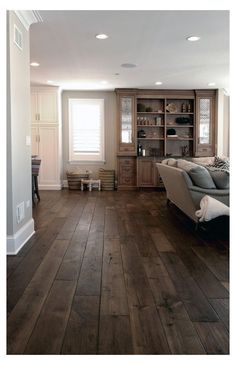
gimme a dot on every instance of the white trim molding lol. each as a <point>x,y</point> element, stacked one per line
<point>28,17</point>
<point>17,241</point>
<point>50,187</point>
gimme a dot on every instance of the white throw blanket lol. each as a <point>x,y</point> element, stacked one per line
<point>211,208</point>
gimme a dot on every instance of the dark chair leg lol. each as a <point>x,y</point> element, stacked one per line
<point>33,201</point>
<point>36,187</point>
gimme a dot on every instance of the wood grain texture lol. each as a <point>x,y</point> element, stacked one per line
<point>117,273</point>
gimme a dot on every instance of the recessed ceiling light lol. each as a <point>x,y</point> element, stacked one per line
<point>211,83</point>
<point>116,74</point>
<point>158,83</point>
<point>34,64</point>
<point>128,65</point>
<point>193,38</point>
<point>101,36</point>
<point>104,82</point>
<point>50,81</point>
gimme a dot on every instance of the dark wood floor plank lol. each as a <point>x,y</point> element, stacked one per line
<point>198,307</point>
<point>23,273</point>
<point>221,307</point>
<point>181,335</point>
<point>89,282</point>
<point>207,281</point>
<point>161,241</point>
<point>214,337</point>
<point>48,333</point>
<point>72,261</point>
<point>115,335</point>
<point>113,294</point>
<point>217,261</point>
<point>82,329</point>
<point>24,315</point>
<point>111,226</point>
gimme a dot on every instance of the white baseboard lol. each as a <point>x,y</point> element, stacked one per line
<point>50,187</point>
<point>17,241</point>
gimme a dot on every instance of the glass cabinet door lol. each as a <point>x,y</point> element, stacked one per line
<point>205,124</point>
<point>126,117</point>
<point>126,125</point>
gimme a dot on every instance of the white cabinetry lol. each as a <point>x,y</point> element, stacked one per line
<point>45,132</point>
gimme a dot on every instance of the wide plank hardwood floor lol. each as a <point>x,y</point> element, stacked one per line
<point>117,273</point>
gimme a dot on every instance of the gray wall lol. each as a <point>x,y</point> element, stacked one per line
<point>18,127</point>
<point>110,131</point>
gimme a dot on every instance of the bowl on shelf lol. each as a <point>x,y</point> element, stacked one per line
<point>171,108</point>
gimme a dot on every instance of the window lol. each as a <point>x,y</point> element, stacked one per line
<point>86,129</point>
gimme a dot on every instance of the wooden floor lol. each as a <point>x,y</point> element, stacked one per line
<point>117,273</point>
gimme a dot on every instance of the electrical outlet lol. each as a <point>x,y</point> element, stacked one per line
<point>20,212</point>
<point>28,141</point>
<point>28,204</point>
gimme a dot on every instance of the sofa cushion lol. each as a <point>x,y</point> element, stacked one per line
<point>170,162</point>
<point>199,174</point>
<point>220,177</point>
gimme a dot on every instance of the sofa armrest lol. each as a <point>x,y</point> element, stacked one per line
<point>198,193</point>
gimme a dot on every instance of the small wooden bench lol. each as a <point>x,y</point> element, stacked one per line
<point>91,183</point>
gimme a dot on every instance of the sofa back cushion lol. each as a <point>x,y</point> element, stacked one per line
<point>199,174</point>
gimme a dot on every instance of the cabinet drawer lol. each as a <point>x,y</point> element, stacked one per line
<point>126,172</point>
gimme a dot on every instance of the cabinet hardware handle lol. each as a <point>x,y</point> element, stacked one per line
<point>39,138</point>
<point>39,116</point>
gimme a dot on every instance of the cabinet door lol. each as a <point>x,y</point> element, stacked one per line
<point>34,107</point>
<point>34,141</point>
<point>205,124</point>
<point>48,152</point>
<point>47,107</point>
<point>146,172</point>
<point>126,173</point>
<point>126,125</point>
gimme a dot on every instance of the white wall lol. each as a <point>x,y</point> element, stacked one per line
<point>110,131</point>
<point>18,127</point>
<point>223,123</point>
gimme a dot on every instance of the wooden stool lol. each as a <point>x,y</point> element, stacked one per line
<point>90,183</point>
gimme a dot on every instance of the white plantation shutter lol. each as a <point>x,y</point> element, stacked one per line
<point>86,119</point>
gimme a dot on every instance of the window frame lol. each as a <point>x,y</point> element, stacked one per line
<point>78,157</point>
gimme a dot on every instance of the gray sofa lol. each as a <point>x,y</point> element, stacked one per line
<point>187,183</point>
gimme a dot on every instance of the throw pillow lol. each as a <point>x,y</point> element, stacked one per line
<point>219,163</point>
<point>199,174</point>
<point>220,177</point>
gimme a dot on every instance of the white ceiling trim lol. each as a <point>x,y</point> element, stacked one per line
<point>28,17</point>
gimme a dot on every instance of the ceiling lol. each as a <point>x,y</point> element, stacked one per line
<point>69,54</point>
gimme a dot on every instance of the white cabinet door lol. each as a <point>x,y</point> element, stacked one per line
<point>47,107</point>
<point>34,141</point>
<point>34,107</point>
<point>48,152</point>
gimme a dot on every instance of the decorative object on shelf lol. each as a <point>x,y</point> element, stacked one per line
<point>140,149</point>
<point>183,108</point>
<point>171,132</point>
<point>171,108</point>
<point>158,121</point>
<point>143,152</point>
<point>149,109</point>
<point>141,134</point>
<point>189,108</point>
<point>184,150</point>
<point>141,107</point>
<point>182,120</point>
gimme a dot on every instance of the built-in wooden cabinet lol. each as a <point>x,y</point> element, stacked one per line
<point>155,124</point>
<point>126,171</point>
<point>205,123</point>
<point>45,132</point>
